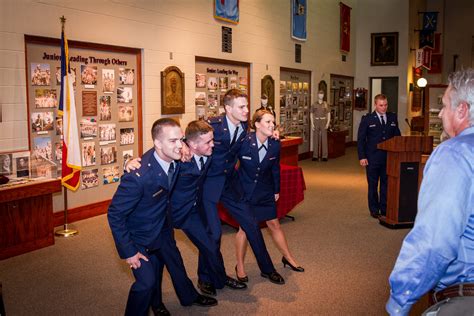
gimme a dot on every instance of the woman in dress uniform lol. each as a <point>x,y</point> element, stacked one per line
<point>258,185</point>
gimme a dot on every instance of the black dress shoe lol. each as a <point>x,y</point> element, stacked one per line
<point>234,284</point>
<point>207,288</point>
<point>375,215</point>
<point>241,279</point>
<point>160,310</point>
<point>274,277</point>
<point>286,262</point>
<point>205,301</point>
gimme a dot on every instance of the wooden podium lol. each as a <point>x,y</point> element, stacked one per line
<point>404,172</point>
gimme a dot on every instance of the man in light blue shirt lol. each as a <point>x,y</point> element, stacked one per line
<point>438,253</point>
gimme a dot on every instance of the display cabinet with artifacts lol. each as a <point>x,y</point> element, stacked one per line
<point>433,104</point>
<point>341,104</point>
<point>295,102</point>
<point>27,182</point>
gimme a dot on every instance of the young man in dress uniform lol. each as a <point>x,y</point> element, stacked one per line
<point>375,128</point>
<point>140,222</point>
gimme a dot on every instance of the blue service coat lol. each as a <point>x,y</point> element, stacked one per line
<point>371,133</point>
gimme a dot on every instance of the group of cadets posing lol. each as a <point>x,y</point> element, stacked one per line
<point>171,187</point>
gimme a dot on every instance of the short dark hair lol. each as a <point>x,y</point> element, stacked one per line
<point>258,115</point>
<point>233,94</point>
<point>380,96</point>
<point>160,123</point>
<point>196,129</point>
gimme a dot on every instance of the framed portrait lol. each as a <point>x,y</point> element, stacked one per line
<point>360,99</point>
<point>384,49</point>
<point>172,91</point>
<point>268,88</point>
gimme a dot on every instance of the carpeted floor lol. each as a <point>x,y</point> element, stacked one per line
<point>347,255</point>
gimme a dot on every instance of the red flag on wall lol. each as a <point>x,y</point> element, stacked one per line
<point>71,156</point>
<point>345,27</point>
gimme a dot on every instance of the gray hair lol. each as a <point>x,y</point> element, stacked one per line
<point>462,90</point>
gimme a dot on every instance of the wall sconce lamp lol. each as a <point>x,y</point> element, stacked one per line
<point>422,82</point>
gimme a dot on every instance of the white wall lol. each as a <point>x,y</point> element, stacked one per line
<point>374,16</point>
<point>186,28</point>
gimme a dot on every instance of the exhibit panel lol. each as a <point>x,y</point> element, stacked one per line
<point>340,101</point>
<point>295,102</point>
<point>107,93</point>
<point>214,77</point>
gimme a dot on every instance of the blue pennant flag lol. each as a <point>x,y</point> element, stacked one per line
<point>298,19</point>
<point>426,39</point>
<point>430,21</point>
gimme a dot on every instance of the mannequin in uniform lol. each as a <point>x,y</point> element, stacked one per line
<point>265,106</point>
<point>320,117</point>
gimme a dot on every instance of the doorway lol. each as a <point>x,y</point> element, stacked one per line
<point>387,86</point>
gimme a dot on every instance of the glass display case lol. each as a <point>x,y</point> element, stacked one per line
<point>432,106</point>
<point>24,167</point>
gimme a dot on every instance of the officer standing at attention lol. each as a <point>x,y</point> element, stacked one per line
<point>320,117</point>
<point>139,219</point>
<point>375,128</point>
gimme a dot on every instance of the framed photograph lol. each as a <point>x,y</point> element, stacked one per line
<point>126,76</point>
<point>110,174</point>
<point>6,164</point>
<point>360,99</point>
<point>200,80</point>
<point>108,155</point>
<point>172,91</point>
<point>42,122</point>
<point>127,136</point>
<point>40,74</point>
<point>105,112</point>
<point>342,92</point>
<point>88,154</point>
<point>90,178</point>
<point>124,95</point>
<point>46,98</point>
<point>108,80</point>
<point>384,49</point>
<point>88,128</point>
<point>88,75</point>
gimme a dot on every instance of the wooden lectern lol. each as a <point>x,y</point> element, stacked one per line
<point>404,172</point>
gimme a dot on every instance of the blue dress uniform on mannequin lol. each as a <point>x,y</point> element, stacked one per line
<point>258,181</point>
<point>139,219</point>
<point>371,132</point>
<point>217,188</point>
<point>188,215</point>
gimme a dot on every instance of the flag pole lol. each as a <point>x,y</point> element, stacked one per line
<point>66,231</point>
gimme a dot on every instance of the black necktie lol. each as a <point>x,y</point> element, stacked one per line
<point>263,152</point>
<point>201,162</point>
<point>234,138</point>
<point>170,175</point>
<point>383,121</point>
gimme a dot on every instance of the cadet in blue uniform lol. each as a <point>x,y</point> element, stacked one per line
<point>229,132</point>
<point>187,213</point>
<point>258,185</point>
<point>139,219</point>
<point>376,128</point>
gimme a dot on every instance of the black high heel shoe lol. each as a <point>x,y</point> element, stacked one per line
<point>241,279</point>
<point>285,263</point>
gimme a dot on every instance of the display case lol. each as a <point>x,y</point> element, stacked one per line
<point>340,102</point>
<point>432,106</point>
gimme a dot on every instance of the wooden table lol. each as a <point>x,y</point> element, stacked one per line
<point>26,217</point>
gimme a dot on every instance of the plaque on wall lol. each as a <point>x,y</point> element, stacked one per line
<point>172,91</point>
<point>89,103</point>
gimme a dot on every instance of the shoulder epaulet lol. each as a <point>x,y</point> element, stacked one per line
<point>215,120</point>
<point>143,170</point>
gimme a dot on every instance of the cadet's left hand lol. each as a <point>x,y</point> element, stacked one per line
<point>277,196</point>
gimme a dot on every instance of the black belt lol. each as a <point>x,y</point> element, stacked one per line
<point>462,289</point>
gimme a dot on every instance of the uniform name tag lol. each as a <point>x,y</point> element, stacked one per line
<point>247,157</point>
<point>217,142</point>
<point>272,158</point>
<point>373,125</point>
<point>155,194</point>
<point>393,124</point>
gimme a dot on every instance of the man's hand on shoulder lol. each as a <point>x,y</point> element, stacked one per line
<point>186,154</point>
<point>276,134</point>
<point>133,164</point>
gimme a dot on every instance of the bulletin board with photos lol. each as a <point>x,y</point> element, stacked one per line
<point>214,77</point>
<point>340,98</point>
<point>295,105</point>
<point>107,92</point>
